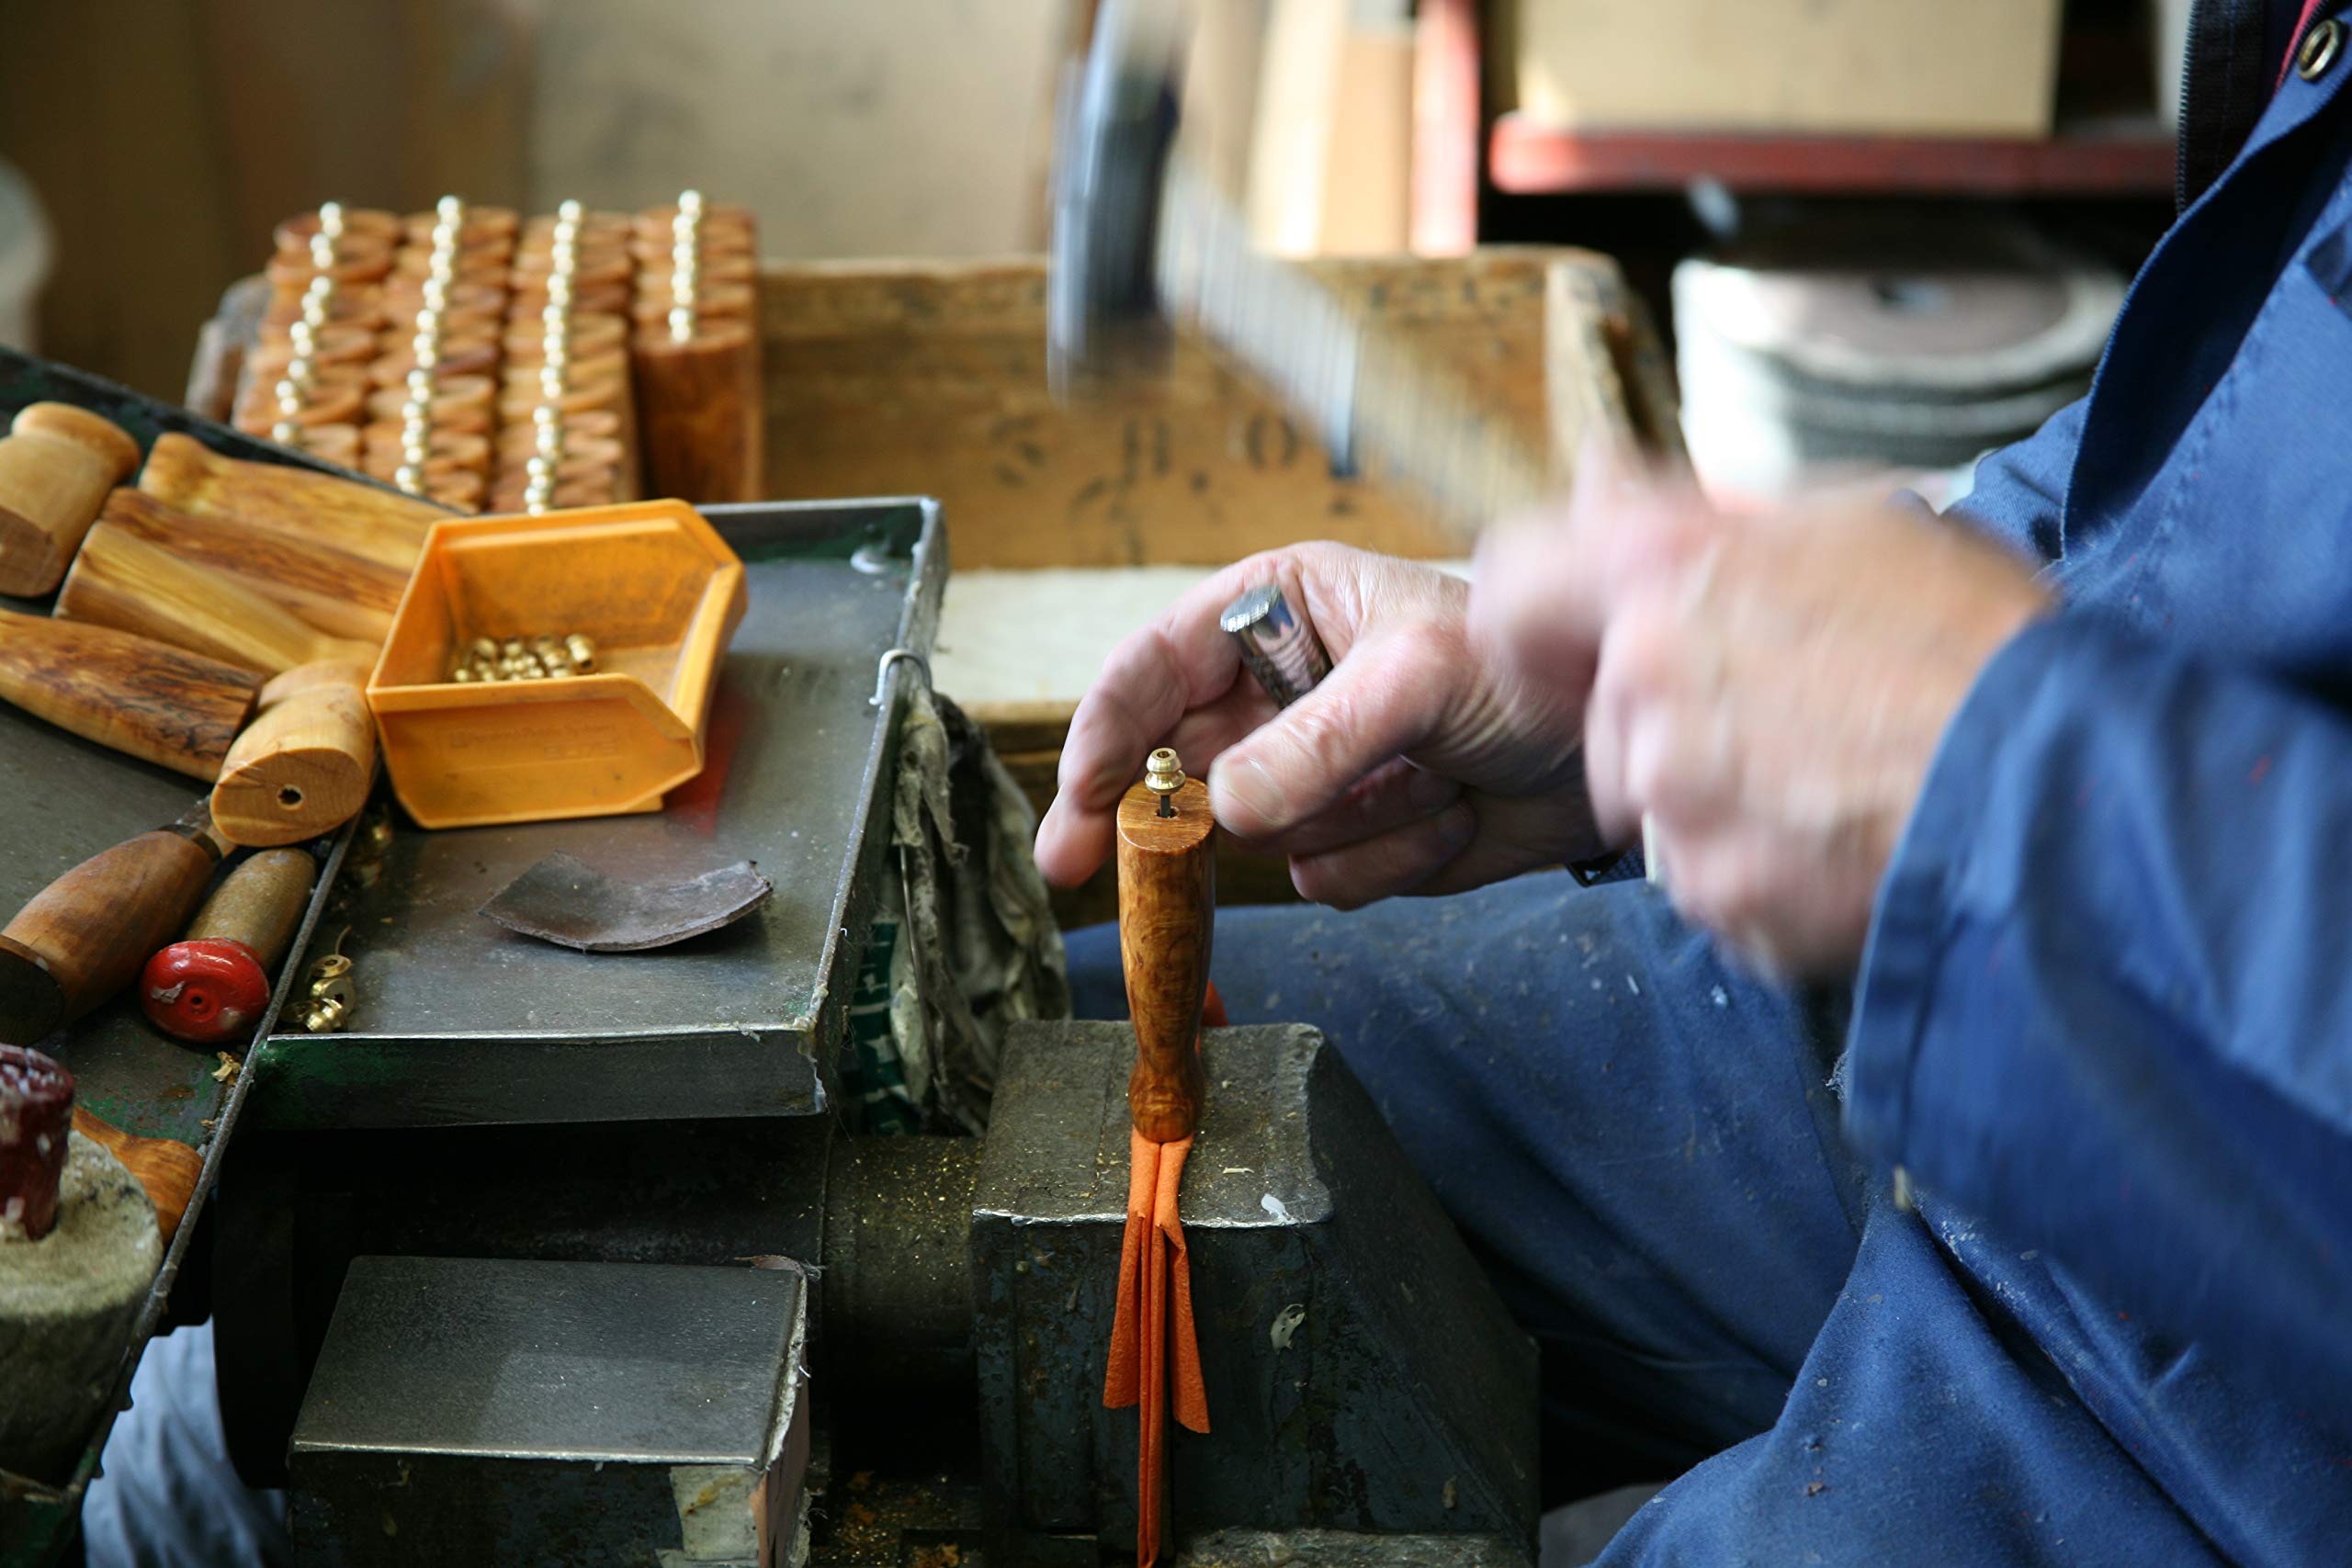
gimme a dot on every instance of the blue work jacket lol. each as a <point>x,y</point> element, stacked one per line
<point>2107,1001</point>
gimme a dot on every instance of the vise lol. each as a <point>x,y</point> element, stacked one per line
<point>482,1337</point>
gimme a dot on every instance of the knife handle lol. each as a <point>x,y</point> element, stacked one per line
<point>1167,892</point>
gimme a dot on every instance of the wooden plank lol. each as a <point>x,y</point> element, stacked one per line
<point>930,377</point>
<point>1445,127</point>
<point>1529,158</point>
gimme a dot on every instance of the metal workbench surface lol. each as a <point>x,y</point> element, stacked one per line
<point>69,798</point>
<point>460,1021</point>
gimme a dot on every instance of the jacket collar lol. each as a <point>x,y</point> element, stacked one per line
<point>2231,62</point>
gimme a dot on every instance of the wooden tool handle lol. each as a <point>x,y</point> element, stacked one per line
<point>699,406</point>
<point>303,766</point>
<point>357,518</point>
<point>122,581</point>
<point>166,1167</point>
<point>259,904</point>
<point>83,937</point>
<point>56,465</point>
<point>213,985</point>
<point>159,704</point>
<point>1167,890</point>
<point>335,592</point>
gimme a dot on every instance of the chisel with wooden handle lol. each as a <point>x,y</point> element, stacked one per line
<point>57,463</point>
<point>213,984</point>
<point>357,518</point>
<point>148,699</point>
<point>83,937</point>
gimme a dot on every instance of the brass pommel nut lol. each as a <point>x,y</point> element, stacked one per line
<point>1162,774</point>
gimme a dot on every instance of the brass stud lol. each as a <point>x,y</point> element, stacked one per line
<point>2319,47</point>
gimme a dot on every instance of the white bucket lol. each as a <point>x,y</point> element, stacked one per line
<point>25,251</point>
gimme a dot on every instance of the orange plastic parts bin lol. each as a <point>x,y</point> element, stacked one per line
<point>651,581</point>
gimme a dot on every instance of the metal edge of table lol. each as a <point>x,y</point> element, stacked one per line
<point>458,1078</point>
<point>49,1510</point>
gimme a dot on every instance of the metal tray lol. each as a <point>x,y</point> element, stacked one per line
<point>459,1021</point>
<point>68,799</point>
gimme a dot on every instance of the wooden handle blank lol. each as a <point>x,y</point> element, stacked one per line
<point>56,465</point>
<point>357,518</point>
<point>259,904</point>
<point>700,405</point>
<point>166,1167</point>
<point>120,580</point>
<point>159,704</point>
<point>1167,892</point>
<point>84,937</point>
<point>335,592</point>
<point>303,766</point>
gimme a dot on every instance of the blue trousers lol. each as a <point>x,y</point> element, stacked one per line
<point>1643,1144</point>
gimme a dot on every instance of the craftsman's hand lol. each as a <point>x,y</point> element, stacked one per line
<point>1413,767</point>
<point>1769,694</point>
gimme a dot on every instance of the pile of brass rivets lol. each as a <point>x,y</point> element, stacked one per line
<point>416,413</point>
<point>685,265</point>
<point>523,658</point>
<point>293,387</point>
<point>555,361</point>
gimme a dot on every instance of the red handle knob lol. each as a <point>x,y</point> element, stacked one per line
<point>36,1113</point>
<point>205,990</point>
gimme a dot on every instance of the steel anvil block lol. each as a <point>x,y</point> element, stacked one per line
<point>1362,1375</point>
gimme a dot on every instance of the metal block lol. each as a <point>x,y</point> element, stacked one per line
<point>471,1410</point>
<point>1362,1375</point>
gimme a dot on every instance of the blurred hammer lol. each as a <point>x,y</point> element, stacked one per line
<point>1140,240</point>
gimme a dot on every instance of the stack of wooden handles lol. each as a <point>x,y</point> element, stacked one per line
<point>494,364</point>
<point>221,619</point>
<point>375,347</point>
<point>697,350</point>
<point>566,432</point>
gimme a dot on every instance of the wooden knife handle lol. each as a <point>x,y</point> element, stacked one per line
<point>1167,891</point>
<point>56,465</point>
<point>84,937</point>
<point>147,699</point>
<point>304,765</point>
<point>168,1168</point>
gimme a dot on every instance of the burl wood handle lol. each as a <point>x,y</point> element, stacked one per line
<point>56,465</point>
<point>1167,890</point>
<point>166,1169</point>
<point>84,937</point>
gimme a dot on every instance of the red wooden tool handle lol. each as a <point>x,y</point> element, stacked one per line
<point>83,937</point>
<point>1167,890</point>
<point>213,986</point>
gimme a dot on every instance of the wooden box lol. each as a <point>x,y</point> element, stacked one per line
<point>930,377</point>
<point>1888,67</point>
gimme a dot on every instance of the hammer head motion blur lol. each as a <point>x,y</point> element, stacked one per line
<point>1115,127</point>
